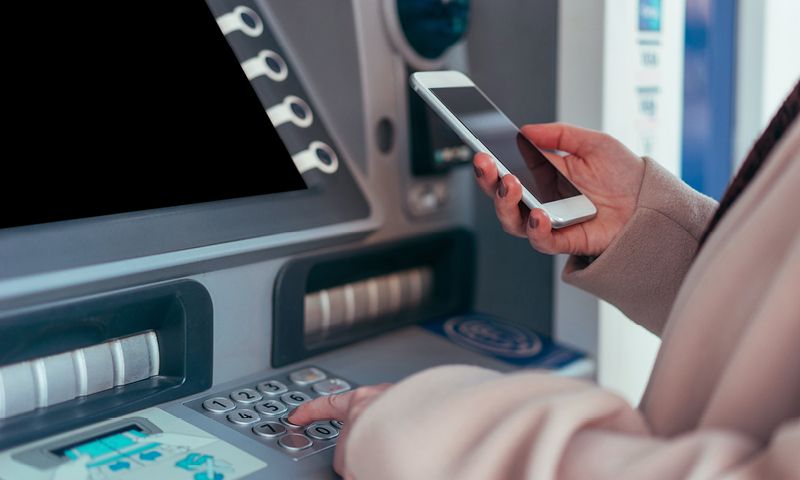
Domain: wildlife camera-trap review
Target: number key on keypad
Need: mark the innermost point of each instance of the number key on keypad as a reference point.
(244, 416)
(246, 395)
(269, 429)
(322, 431)
(272, 387)
(271, 407)
(295, 398)
(219, 405)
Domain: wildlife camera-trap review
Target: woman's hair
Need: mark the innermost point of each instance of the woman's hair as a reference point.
(761, 149)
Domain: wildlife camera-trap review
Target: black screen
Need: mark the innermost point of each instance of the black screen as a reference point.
(133, 106)
(501, 137)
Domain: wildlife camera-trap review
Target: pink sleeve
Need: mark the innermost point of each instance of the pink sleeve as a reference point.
(643, 267)
(468, 423)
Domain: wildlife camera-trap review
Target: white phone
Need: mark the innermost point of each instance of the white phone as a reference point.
(479, 123)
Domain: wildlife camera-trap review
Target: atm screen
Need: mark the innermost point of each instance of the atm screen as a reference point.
(148, 108)
(101, 444)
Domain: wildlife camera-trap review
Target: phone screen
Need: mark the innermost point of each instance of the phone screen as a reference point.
(499, 134)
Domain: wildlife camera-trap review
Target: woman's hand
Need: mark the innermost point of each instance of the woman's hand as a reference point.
(345, 407)
(602, 168)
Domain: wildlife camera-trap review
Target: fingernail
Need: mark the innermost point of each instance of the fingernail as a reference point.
(502, 190)
(478, 171)
(533, 222)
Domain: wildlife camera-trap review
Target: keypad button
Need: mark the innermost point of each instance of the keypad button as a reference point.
(272, 387)
(294, 442)
(294, 398)
(246, 395)
(322, 431)
(243, 416)
(269, 429)
(219, 405)
(331, 386)
(271, 407)
(307, 376)
(285, 421)
(336, 423)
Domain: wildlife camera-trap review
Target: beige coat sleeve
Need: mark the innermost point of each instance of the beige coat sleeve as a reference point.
(643, 267)
(468, 423)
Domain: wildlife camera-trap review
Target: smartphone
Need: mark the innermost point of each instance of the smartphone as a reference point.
(482, 126)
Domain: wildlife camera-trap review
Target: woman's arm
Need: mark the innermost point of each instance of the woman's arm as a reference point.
(642, 269)
(461, 422)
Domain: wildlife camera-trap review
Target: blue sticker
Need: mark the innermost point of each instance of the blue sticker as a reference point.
(650, 15)
(149, 456)
(510, 343)
(120, 465)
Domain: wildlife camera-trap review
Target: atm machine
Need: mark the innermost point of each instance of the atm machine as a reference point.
(170, 342)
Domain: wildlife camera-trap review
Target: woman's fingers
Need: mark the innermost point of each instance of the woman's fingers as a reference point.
(542, 236)
(485, 173)
(335, 407)
(506, 205)
(331, 407)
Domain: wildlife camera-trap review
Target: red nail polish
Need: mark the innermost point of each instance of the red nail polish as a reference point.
(478, 171)
(533, 222)
(502, 190)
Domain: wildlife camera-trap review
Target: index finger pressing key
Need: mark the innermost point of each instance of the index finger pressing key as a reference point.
(331, 407)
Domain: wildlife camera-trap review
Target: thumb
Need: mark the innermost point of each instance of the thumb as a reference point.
(565, 137)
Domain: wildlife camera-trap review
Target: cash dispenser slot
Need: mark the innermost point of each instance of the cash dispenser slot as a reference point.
(71, 363)
(324, 301)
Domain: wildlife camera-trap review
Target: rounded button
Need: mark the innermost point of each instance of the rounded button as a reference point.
(271, 407)
(244, 416)
(294, 398)
(336, 423)
(246, 395)
(309, 375)
(269, 429)
(219, 405)
(294, 442)
(331, 386)
(322, 431)
(272, 387)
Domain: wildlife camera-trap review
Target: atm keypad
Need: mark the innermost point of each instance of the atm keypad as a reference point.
(261, 409)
